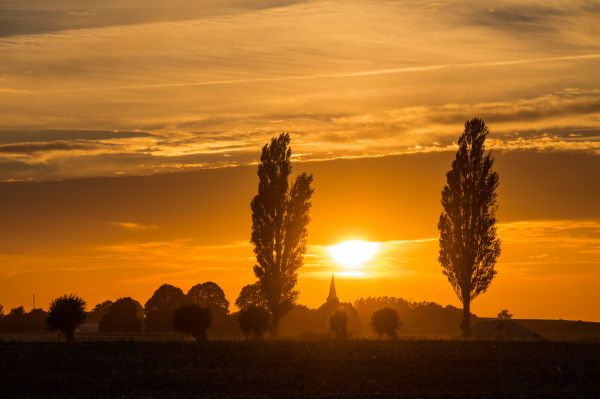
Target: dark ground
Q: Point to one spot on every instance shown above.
(300, 369)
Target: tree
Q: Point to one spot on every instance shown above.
(193, 320)
(505, 315)
(251, 295)
(65, 314)
(1, 311)
(160, 307)
(125, 315)
(280, 217)
(338, 324)
(99, 311)
(209, 295)
(253, 321)
(468, 243)
(385, 321)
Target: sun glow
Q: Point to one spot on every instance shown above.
(351, 254)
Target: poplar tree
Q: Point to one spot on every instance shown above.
(280, 217)
(468, 243)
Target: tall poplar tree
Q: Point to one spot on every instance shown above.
(468, 243)
(280, 217)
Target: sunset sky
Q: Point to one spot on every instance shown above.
(130, 132)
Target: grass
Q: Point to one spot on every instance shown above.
(300, 369)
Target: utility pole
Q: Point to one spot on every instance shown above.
(33, 307)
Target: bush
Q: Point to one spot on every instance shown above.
(505, 315)
(338, 324)
(385, 322)
(192, 319)
(253, 321)
(65, 314)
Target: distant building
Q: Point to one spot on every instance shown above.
(332, 298)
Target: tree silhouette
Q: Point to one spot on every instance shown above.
(385, 321)
(468, 243)
(209, 295)
(251, 295)
(253, 321)
(505, 315)
(338, 324)
(160, 307)
(65, 314)
(99, 311)
(125, 315)
(280, 218)
(192, 319)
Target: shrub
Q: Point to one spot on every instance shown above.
(385, 322)
(338, 324)
(253, 321)
(192, 319)
(505, 315)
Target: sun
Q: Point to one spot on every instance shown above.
(353, 253)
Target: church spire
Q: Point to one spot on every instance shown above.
(332, 294)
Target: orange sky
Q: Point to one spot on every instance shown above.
(129, 135)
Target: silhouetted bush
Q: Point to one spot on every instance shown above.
(253, 321)
(338, 324)
(505, 315)
(209, 295)
(125, 315)
(65, 314)
(193, 320)
(160, 307)
(385, 321)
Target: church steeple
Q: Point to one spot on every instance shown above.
(332, 298)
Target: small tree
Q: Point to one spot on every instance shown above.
(65, 314)
(468, 243)
(125, 315)
(338, 324)
(160, 307)
(251, 295)
(385, 321)
(193, 320)
(253, 321)
(209, 295)
(280, 217)
(505, 315)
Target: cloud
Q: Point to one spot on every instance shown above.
(134, 226)
(35, 17)
(392, 78)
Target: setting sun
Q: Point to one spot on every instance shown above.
(353, 253)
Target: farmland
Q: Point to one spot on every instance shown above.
(300, 369)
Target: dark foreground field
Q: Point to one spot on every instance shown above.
(300, 369)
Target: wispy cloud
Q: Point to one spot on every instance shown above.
(134, 226)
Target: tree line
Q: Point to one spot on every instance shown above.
(469, 248)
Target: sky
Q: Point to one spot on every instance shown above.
(130, 132)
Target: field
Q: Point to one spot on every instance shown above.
(300, 369)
